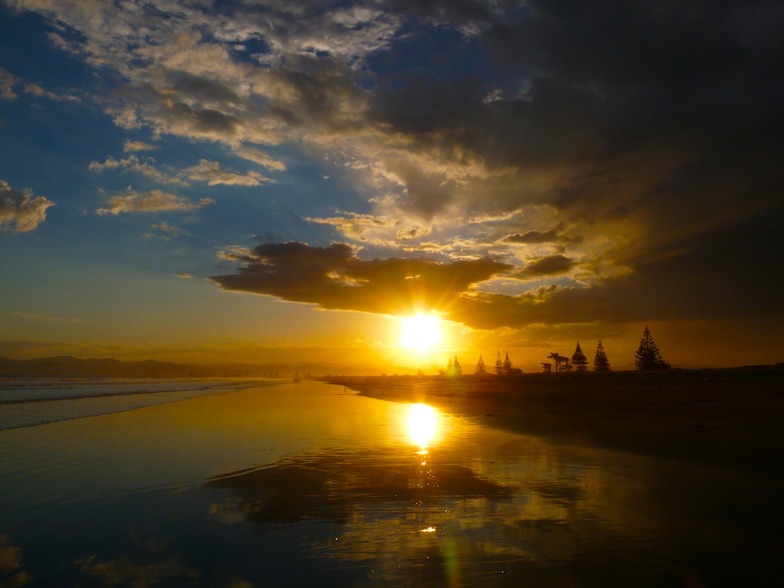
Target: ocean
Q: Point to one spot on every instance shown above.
(26, 402)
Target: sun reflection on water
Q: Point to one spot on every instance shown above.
(422, 425)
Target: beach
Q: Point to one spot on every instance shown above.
(729, 417)
(500, 482)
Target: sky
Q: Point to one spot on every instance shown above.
(282, 181)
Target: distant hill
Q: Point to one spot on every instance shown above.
(66, 366)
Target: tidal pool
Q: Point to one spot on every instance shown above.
(310, 485)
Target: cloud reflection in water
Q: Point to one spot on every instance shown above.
(332, 486)
(393, 509)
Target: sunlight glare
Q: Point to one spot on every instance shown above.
(421, 332)
(422, 425)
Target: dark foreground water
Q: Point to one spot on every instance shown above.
(305, 485)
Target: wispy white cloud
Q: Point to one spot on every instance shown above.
(135, 164)
(213, 174)
(164, 231)
(235, 253)
(132, 146)
(7, 83)
(167, 228)
(153, 201)
(259, 157)
(209, 172)
(46, 317)
(351, 32)
(39, 92)
(360, 227)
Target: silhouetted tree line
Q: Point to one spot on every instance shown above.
(647, 358)
(453, 368)
(505, 367)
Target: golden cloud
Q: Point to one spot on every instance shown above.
(21, 211)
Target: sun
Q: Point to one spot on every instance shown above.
(421, 332)
(422, 425)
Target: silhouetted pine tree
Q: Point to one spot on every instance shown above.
(579, 360)
(499, 366)
(480, 367)
(648, 357)
(453, 368)
(600, 362)
(507, 364)
(450, 368)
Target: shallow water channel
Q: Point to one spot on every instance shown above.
(311, 485)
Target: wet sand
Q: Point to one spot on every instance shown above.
(301, 484)
(732, 417)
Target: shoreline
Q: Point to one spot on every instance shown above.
(730, 418)
(44, 402)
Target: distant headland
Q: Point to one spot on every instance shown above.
(66, 366)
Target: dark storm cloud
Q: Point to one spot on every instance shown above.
(335, 278)
(206, 120)
(313, 93)
(203, 89)
(664, 43)
(662, 289)
(548, 266)
(555, 235)
(534, 237)
(594, 81)
(603, 78)
(422, 105)
(725, 275)
(662, 116)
